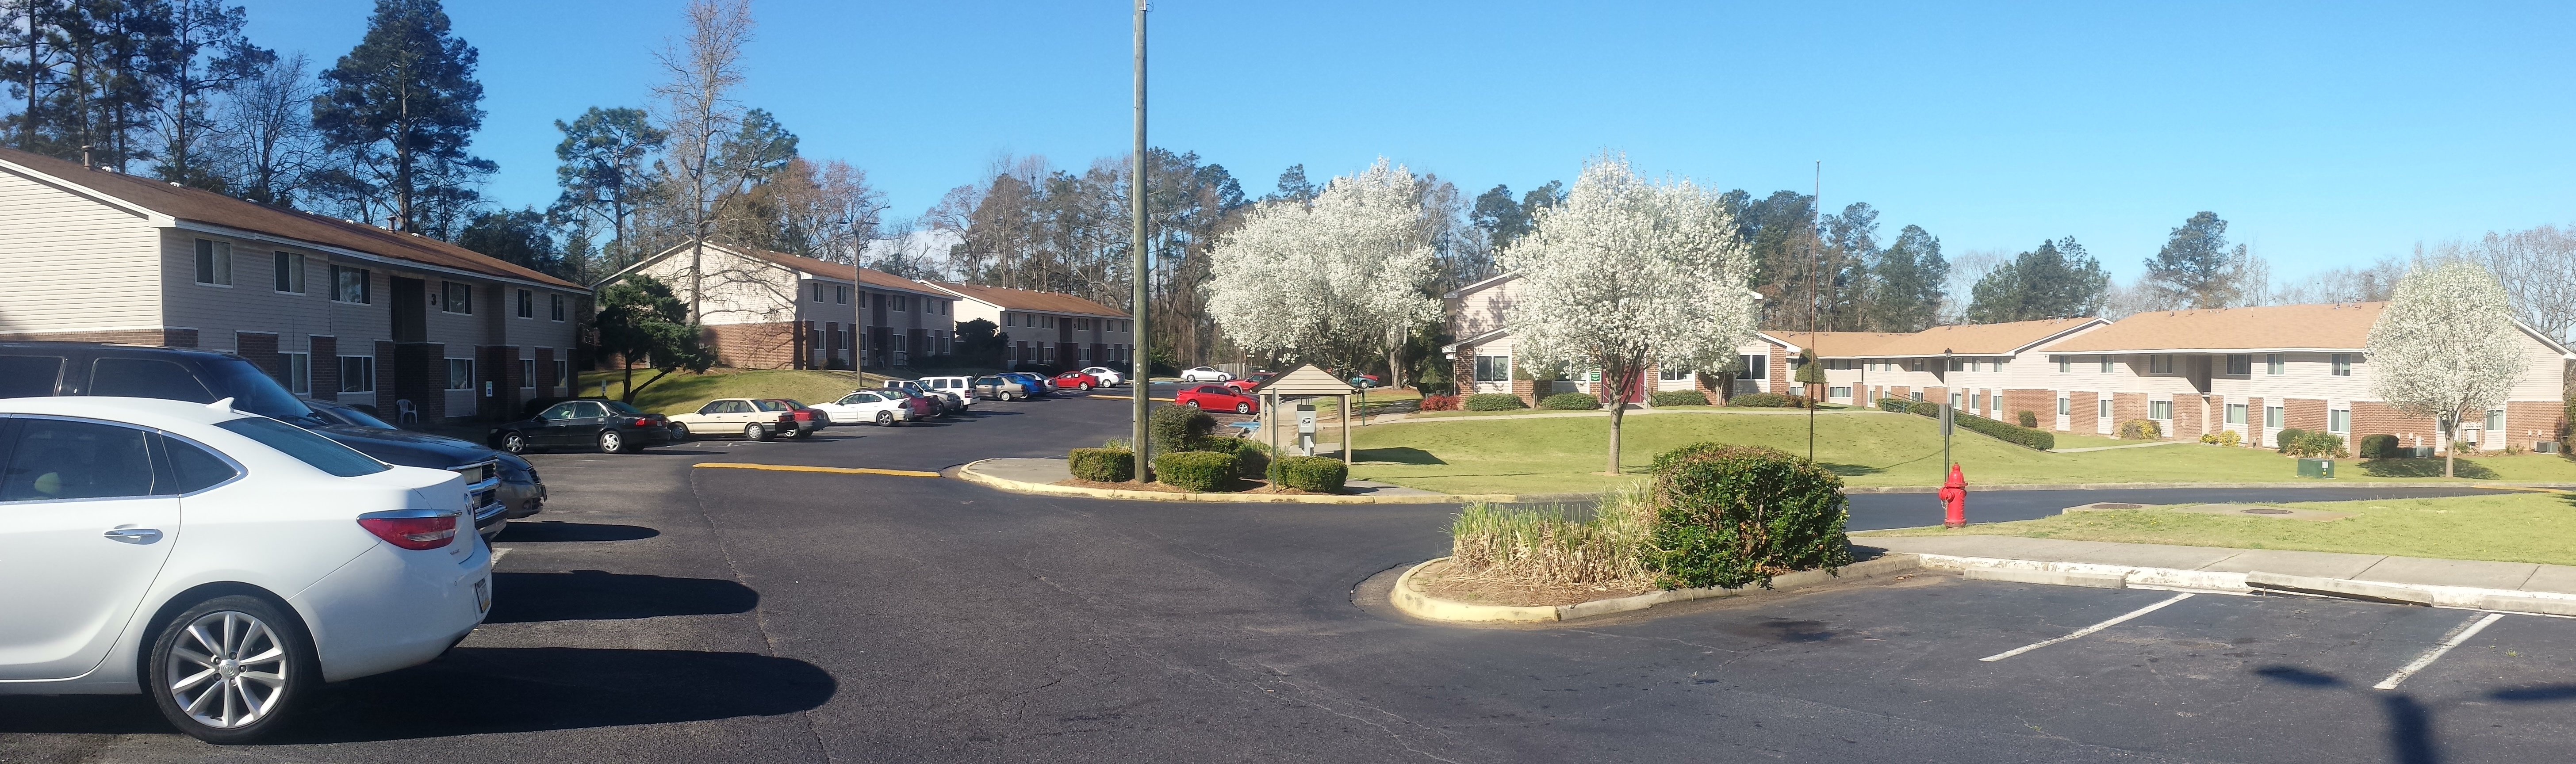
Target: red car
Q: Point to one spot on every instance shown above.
(1217, 397)
(1246, 384)
(1075, 380)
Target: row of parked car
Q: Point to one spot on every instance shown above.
(615, 427)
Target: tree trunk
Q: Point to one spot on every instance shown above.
(2450, 448)
(1618, 412)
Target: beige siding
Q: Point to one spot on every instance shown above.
(68, 262)
(737, 289)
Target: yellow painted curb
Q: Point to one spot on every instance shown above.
(969, 474)
(830, 470)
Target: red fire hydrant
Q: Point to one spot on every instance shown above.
(1954, 497)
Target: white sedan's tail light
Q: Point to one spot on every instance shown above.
(413, 528)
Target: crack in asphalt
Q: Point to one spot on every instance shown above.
(759, 610)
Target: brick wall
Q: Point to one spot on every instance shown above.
(121, 337)
(326, 367)
(1463, 369)
(385, 381)
(1527, 390)
(2372, 418)
(2087, 417)
(260, 349)
(2304, 414)
(754, 346)
(2529, 422)
(2127, 406)
(2040, 403)
(497, 366)
(2254, 429)
(2190, 418)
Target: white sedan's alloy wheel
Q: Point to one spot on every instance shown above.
(228, 670)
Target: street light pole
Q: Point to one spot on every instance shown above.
(1946, 414)
(1142, 382)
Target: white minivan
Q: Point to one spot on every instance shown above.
(223, 564)
(963, 388)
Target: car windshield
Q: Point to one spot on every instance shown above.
(255, 392)
(305, 446)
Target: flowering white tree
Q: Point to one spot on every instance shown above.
(1340, 279)
(2445, 347)
(1626, 274)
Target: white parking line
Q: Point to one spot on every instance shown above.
(2457, 636)
(2088, 629)
(498, 552)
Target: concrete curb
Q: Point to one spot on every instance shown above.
(969, 474)
(1973, 488)
(2086, 574)
(1425, 606)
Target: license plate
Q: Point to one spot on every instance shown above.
(483, 596)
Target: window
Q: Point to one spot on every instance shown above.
(2236, 411)
(1954, 400)
(350, 285)
(1672, 374)
(1917, 395)
(455, 297)
(558, 307)
(2065, 406)
(1050, 322)
(527, 373)
(290, 273)
(460, 373)
(1493, 368)
(1994, 402)
(2495, 420)
(527, 304)
(195, 468)
(146, 378)
(2272, 364)
(58, 460)
(563, 373)
(2160, 410)
(357, 374)
(2160, 363)
(840, 295)
(2339, 421)
(2240, 364)
(2342, 364)
(214, 263)
(2065, 365)
(1958, 364)
(1838, 392)
(299, 373)
(903, 304)
(818, 292)
(2104, 407)
(29, 376)
(2272, 416)
(1756, 366)
(306, 447)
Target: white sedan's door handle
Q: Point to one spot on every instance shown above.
(132, 535)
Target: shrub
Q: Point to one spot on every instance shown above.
(1176, 429)
(1570, 402)
(1494, 402)
(1898, 405)
(2379, 447)
(2318, 445)
(1251, 458)
(1319, 474)
(1678, 398)
(1729, 515)
(2020, 436)
(1540, 544)
(1441, 402)
(2029, 418)
(2287, 436)
(1102, 465)
(1194, 470)
(1763, 400)
(2209, 438)
(2229, 439)
(2141, 429)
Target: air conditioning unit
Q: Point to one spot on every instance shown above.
(2545, 447)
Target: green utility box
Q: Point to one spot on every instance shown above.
(2317, 468)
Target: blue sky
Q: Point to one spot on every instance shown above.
(2326, 133)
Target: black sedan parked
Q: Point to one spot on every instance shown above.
(522, 491)
(610, 426)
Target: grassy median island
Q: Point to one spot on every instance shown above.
(1564, 455)
(2507, 527)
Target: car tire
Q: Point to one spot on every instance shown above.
(680, 432)
(1192, 404)
(1086, 387)
(885, 419)
(612, 442)
(756, 432)
(1243, 408)
(284, 669)
(514, 443)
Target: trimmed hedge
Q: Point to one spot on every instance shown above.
(2287, 436)
(2029, 418)
(1438, 402)
(1102, 465)
(1251, 458)
(1494, 402)
(1318, 474)
(1175, 429)
(1763, 400)
(2141, 429)
(1570, 402)
(2379, 447)
(2020, 436)
(1678, 398)
(1729, 515)
(1194, 470)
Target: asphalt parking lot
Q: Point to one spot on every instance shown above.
(664, 613)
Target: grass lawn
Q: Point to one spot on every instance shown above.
(1560, 455)
(2072, 440)
(683, 391)
(2510, 527)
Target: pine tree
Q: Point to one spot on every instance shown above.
(2196, 269)
(406, 97)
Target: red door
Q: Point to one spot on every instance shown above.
(1636, 388)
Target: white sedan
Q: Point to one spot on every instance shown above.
(1108, 377)
(222, 563)
(867, 406)
(1205, 374)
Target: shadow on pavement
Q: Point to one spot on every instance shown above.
(548, 530)
(481, 690)
(590, 595)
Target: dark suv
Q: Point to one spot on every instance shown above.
(40, 369)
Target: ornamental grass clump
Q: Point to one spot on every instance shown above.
(1729, 515)
(1541, 545)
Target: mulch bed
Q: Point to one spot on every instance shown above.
(1236, 486)
(1440, 580)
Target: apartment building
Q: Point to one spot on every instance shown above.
(334, 309)
(1482, 357)
(1981, 368)
(2256, 371)
(773, 310)
(1048, 328)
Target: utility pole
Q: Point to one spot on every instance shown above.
(1142, 384)
(1815, 262)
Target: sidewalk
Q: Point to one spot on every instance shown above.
(2515, 586)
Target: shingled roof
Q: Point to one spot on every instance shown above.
(2326, 326)
(213, 209)
(1025, 299)
(1961, 339)
(843, 271)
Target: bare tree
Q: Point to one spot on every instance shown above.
(2538, 267)
(1965, 271)
(697, 108)
(266, 148)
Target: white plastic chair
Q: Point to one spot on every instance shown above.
(405, 413)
